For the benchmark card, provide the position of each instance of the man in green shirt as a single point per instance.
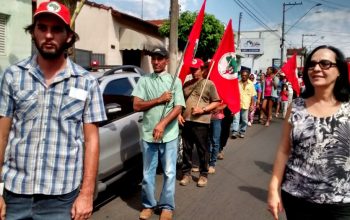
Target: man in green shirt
(159, 133)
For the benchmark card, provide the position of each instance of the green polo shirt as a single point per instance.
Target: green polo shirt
(153, 86)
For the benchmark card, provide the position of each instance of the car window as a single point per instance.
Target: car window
(118, 91)
(118, 87)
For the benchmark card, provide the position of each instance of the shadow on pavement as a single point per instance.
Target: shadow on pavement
(258, 193)
(266, 167)
(128, 189)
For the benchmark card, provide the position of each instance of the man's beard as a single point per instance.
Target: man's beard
(52, 55)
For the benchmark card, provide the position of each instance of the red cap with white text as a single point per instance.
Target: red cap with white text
(197, 63)
(54, 8)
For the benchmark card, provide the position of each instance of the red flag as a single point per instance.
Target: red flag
(192, 43)
(349, 70)
(224, 73)
(290, 69)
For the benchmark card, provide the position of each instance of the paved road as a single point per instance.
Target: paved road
(237, 190)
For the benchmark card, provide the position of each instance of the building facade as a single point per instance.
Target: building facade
(116, 38)
(260, 49)
(15, 44)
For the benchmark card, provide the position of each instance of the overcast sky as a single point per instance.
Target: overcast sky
(330, 22)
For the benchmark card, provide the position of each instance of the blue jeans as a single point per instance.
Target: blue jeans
(240, 122)
(214, 140)
(39, 207)
(168, 154)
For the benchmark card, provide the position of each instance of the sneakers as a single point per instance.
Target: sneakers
(220, 155)
(234, 136)
(146, 213)
(186, 179)
(241, 135)
(249, 124)
(211, 170)
(195, 169)
(203, 181)
(166, 215)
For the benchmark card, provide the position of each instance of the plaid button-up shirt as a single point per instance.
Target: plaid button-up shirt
(44, 154)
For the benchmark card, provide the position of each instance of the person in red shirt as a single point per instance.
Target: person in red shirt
(284, 99)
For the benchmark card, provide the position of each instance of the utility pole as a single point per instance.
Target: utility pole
(239, 30)
(283, 19)
(174, 18)
(303, 51)
(142, 9)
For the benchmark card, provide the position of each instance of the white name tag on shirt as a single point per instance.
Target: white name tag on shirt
(78, 93)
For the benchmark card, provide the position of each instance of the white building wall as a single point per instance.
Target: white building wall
(99, 33)
(17, 42)
(271, 43)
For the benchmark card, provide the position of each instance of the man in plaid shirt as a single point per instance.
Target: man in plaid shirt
(49, 140)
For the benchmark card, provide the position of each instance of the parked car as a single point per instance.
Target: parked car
(119, 135)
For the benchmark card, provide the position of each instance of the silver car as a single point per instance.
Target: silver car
(120, 134)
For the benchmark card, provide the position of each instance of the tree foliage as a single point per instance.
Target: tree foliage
(212, 31)
(74, 8)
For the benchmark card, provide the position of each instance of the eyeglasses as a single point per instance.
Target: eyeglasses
(324, 64)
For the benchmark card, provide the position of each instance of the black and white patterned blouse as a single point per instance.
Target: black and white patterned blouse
(318, 168)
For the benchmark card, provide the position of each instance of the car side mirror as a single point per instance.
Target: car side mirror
(113, 108)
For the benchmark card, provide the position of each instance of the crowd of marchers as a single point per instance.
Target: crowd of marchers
(315, 136)
(204, 122)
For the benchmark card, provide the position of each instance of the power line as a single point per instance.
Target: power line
(254, 17)
(259, 12)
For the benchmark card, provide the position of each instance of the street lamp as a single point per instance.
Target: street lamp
(283, 19)
(303, 51)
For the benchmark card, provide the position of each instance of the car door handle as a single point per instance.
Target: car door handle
(140, 119)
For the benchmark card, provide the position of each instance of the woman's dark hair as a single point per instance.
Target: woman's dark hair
(245, 71)
(341, 89)
(273, 69)
(75, 36)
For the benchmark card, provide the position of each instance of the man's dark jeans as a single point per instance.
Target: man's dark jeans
(195, 133)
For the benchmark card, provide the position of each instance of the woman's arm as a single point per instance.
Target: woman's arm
(274, 194)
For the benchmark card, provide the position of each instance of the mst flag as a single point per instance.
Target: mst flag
(192, 43)
(224, 73)
(290, 69)
(349, 71)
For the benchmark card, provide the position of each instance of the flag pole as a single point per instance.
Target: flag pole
(205, 83)
(174, 79)
(195, 26)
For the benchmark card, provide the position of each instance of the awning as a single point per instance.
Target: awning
(133, 40)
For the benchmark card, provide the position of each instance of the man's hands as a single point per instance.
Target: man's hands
(82, 206)
(165, 97)
(198, 111)
(158, 131)
(181, 120)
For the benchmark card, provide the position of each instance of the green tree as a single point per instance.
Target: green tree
(212, 31)
(74, 8)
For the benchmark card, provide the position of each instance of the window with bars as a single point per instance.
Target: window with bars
(3, 21)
